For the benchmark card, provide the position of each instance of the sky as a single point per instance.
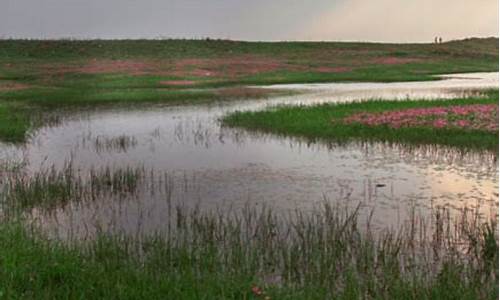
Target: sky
(268, 20)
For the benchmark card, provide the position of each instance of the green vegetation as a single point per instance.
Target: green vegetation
(14, 123)
(325, 122)
(42, 75)
(52, 189)
(247, 254)
(257, 254)
(329, 253)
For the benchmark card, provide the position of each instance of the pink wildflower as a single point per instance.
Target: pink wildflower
(257, 291)
(474, 116)
(462, 123)
(440, 123)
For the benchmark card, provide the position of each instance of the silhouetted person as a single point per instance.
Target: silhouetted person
(440, 40)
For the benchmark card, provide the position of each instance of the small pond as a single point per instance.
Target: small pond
(209, 166)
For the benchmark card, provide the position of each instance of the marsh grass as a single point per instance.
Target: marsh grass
(17, 120)
(325, 122)
(14, 123)
(119, 143)
(50, 189)
(246, 253)
(256, 253)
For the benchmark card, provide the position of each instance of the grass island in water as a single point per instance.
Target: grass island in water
(470, 123)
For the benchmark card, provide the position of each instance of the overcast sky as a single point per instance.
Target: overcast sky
(365, 20)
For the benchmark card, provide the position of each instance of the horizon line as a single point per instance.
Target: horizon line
(81, 39)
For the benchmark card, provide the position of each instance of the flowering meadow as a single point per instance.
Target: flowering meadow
(469, 123)
(482, 117)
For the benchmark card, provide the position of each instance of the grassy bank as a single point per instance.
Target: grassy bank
(249, 253)
(14, 123)
(26, 110)
(258, 256)
(37, 75)
(326, 122)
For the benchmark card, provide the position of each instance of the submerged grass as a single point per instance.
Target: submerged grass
(119, 143)
(325, 122)
(53, 188)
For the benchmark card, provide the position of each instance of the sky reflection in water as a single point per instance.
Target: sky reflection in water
(219, 167)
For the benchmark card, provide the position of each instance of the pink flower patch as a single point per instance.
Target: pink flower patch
(462, 123)
(475, 117)
(440, 123)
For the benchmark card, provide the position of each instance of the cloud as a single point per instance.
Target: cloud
(376, 20)
(406, 20)
(258, 19)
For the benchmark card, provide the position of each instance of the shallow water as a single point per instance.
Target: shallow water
(211, 166)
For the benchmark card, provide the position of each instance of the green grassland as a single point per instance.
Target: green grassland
(319, 123)
(43, 75)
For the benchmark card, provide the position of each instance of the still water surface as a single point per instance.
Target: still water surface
(216, 167)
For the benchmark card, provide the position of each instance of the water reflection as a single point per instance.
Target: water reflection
(211, 166)
(455, 85)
